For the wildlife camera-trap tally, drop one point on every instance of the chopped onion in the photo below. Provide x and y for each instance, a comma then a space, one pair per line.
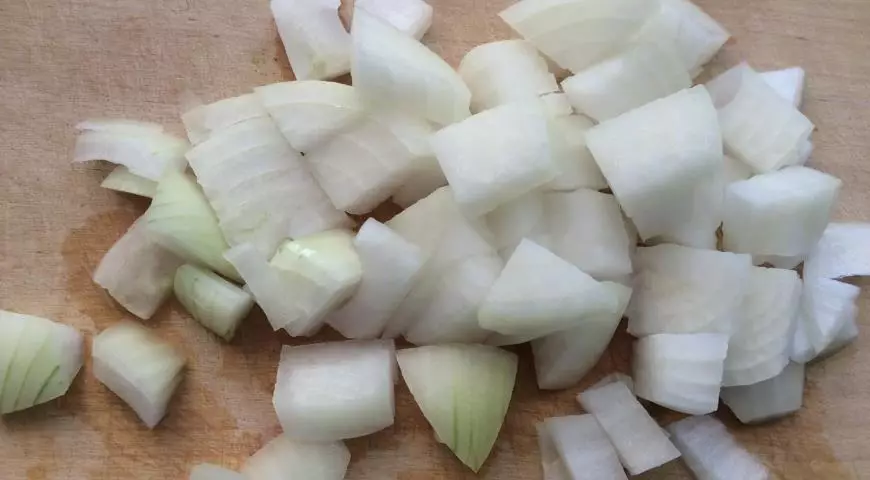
390, 68
411, 17
827, 307
139, 367
805, 151
506, 71
712, 453
205, 471
845, 337
316, 42
554, 468
311, 112
773, 398
788, 83
758, 126
144, 148
682, 372
517, 219
577, 33
683, 26
464, 392
120, 179
584, 448
563, 358
485, 171
283, 458
137, 272
214, 302
735, 170
181, 220
203, 120
557, 105
332, 391
640, 443
260, 189
613, 378
781, 213
425, 178
762, 334
39, 360
654, 157
381, 289
635, 77
843, 251
575, 164
684, 290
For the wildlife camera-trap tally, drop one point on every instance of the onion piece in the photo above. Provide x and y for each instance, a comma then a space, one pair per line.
381, 289
629, 426
781, 213
411, 17
712, 453
137, 272
805, 151
557, 105
827, 306
684, 290
390, 68
485, 171
464, 392
121, 180
205, 471
506, 71
577, 33
635, 77
309, 113
842, 252
759, 127
144, 148
683, 26
283, 458
654, 157
333, 391
139, 367
788, 83
682, 372
584, 448
735, 170
554, 468
762, 334
316, 42
574, 161
425, 178
203, 120
845, 337
771, 399
513, 221
181, 221
613, 378
39, 360
564, 358
214, 302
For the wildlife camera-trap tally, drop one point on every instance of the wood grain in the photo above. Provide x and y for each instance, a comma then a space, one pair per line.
65, 60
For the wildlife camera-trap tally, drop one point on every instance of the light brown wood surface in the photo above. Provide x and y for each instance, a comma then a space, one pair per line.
62, 61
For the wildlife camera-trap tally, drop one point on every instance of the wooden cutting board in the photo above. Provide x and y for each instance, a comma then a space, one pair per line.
62, 61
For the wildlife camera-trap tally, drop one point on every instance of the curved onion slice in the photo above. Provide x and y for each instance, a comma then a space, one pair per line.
332, 391
712, 453
392, 69
682, 372
144, 148
759, 127
390, 266
653, 158
316, 42
633, 78
411, 17
464, 392
203, 120
485, 171
311, 112
205, 471
577, 33
788, 83
683, 26
563, 358
762, 334
503, 72
781, 213
640, 443
38, 360
768, 400
181, 220
584, 449
121, 180
137, 272
139, 367
214, 302
684, 290
574, 161
283, 458
843, 251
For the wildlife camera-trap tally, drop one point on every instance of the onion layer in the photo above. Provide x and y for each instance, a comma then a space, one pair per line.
314, 38
283, 458
843, 251
204, 120
411, 17
214, 302
788, 83
768, 400
122, 180
712, 453
584, 448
